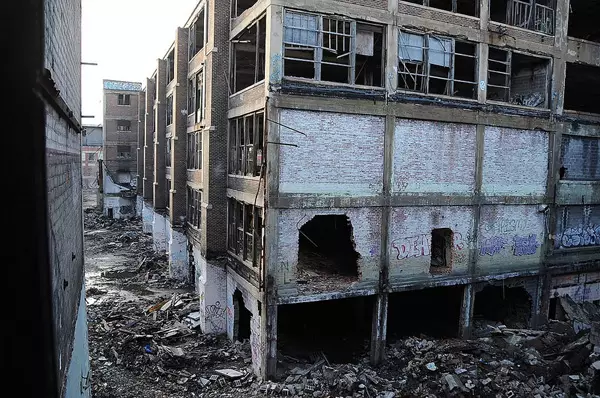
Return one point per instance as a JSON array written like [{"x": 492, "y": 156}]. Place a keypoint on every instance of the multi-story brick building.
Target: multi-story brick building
[
  {"x": 91, "y": 152},
  {"x": 348, "y": 170},
  {"x": 120, "y": 129}
]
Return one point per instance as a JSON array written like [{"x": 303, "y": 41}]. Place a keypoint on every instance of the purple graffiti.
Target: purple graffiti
[
  {"x": 525, "y": 245},
  {"x": 493, "y": 245},
  {"x": 579, "y": 236},
  {"x": 420, "y": 245}
]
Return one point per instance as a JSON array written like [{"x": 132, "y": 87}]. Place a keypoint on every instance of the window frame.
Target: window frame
[
  {"x": 124, "y": 99},
  {"x": 244, "y": 222},
  {"x": 123, "y": 125},
  {"x": 244, "y": 151},
  {"x": 193, "y": 32},
  {"x": 169, "y": 110},
  {"x": 194, "y": 150},
  {"x": 194, "y": 207}
]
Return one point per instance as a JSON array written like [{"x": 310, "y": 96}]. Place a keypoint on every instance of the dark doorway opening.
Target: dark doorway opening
[
  {"x": 242, "y": 317},
  {"x": 583, "y": 17},
  {"x": 339, "y": 329},
  {"x": 509, "y": 305},
  {"x": 432, "y": 312}
]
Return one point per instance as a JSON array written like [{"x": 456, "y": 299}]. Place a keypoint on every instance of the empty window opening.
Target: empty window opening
[
  {"x": 582, "y": 88},
  {"x": 194, "y": 150},
  {"x": 241, "y": 318},
  {"x": 194, "y": 207},
  {"x": 244, "y": 238},
  {"x": 196, "y": 97},
  {"x": 246, "y": 135},
  {"x": 123, "y": 151},
  {"x": 249, "y": 56},
  {"x": 580, "y": 159},
  {"x": 339, "y": 329},
  {"x": 332, "y": 49},
  {"x": 437, "y": 65},
  {"x": 583, "y": 17},
  {"x": 442, "y": 306},
  {"x": 197, "y": 35},
  {"x": 169, "y": 110},
  {"x": 239, "y": 6},
  {"x": 327, "y": 248},
  {"x": 124, "y": 99},
  {"x": 467, "y": 7},
  {"x": 169, "y": 151},
  {"x": 517, "y": 78},
  {"x": 171, "y": 66},
  {"x": 123, "y": 125},
  {"x": 510, "y": 306},
  {"x": 537, "y": 15},
  {"x": 441, "y": 250}
]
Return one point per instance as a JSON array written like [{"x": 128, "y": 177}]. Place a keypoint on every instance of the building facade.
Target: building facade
[
  {"x": 331, "y": 171},
  {"x": 91, "y": 153},
  {"x": 120, "y": 129}
]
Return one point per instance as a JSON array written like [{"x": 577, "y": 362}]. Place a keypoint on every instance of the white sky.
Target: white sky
[{"x": 125, "y": 38}]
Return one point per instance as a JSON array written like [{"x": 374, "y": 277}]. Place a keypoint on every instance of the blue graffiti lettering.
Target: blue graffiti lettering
[
  {"x": 492, "y": 246},
  {"x": 525, "y": 245},
  {"x": 579, "y": 236}
]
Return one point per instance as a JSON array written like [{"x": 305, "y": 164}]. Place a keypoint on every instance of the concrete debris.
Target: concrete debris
[{"x": 229, "y": 373}]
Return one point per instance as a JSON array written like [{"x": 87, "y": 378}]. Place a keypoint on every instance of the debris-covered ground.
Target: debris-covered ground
[{"x": 145, "y": 342}]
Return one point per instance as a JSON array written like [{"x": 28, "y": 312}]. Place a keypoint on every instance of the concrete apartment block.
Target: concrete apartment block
[
  {"x": 120, "y": 133},
  {"x": 420, "y": 163}
]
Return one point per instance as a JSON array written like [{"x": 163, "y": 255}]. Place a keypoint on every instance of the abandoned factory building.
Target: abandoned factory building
[{"x": 335, "y": 174}]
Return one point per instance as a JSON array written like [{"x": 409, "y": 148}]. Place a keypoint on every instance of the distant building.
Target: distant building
[
  {"x": 91, "y": 152},
  {"x": 120, "y": 137}
]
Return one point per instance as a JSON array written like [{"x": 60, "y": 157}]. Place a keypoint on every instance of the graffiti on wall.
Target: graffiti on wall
[
  {"x": 578, "y": 236},
  {"x": 521, "y": 245},
  {"x": 420, "y": 245},
  {"x": 215, "y": 316},
  {"x": 492, "y": 246},
  {"x": 525, "y": 245},
  {"x": 506, "y": 226}
]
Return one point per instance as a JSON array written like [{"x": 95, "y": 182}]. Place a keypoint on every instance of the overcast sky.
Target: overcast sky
[{"x": 125, "y": 38}]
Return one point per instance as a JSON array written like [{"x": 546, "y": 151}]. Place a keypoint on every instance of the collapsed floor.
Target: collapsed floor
[{"x": 144, "y": 342}]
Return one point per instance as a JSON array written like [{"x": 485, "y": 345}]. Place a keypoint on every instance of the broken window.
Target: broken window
[
  {"x": 332, "y": 49},
  {"x": 124, "y": 99},
  {"x": 169, "y": 150},
  {"x": 194, "y": 208},
  {"x": 326, "y": 247},
  {"x": 246, "y": 144},
  {"x": 580, "y": 158},
  {"x": 582, "y": 88},
  {"x": 509, "y": 305},
  {"x": 91, "y": 156},
  {"x": 467, "y": 7},
  {"x": 199, "y": 97},
  {"x": 241, "y": 318},
  {"x": 123, "y": 125},
  {"x": 245, "y": 231},
  {"x": 194, "y": 154},
  {"x": 517, "y": 78},
  {"x": 196, "y": 35},
  {"x": 239, "y": 6},
  {"x": 537, "y": 15},
  {"x": 583, "y": 16},
  {"x": 441, "y": 250},
  {"x": 171, "y": 66},
  {"x": 169, "y": 109},
  {"x": 123, "y": 152},
  {"x": 437, "y": 65},
  {"x": 249, "y": 56}
]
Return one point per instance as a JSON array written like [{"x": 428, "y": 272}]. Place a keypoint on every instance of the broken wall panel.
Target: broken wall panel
[
  {"x": 410, "y": 235},
  {"x": 577, "y": 227},
  {"x": 510, "y": 237},
  {"x": 580, "y": 158},
  {"x": 515, "y": 162},
  {"x": 352, "y": 145},
  {"x": 580, "y": 287},
  {"x": 434, "y": 157},
  {"x": 366, "y": 235}
]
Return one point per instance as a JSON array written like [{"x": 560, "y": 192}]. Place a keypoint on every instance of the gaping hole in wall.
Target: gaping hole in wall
[
  {"x": 517, "y": 78},
  {"x": 433, "y": 312},
  {"x": 583, "y": 20},
  {"x": 241, "y": 318},
  {"x": 437, "y": 65},
  {"x": 249, "y": 56},
  {"x": 326, "y": 248},
  {"x": 340, "y": 329},
  {"x": 239, "y": 6},
  {"x": 441, "y": 250},
  {"x": 582, "y": 88},
  {"x": 537, "y": 15},
  {"x": 369, "y": 55},
  {"x": 510, "y": 306}
]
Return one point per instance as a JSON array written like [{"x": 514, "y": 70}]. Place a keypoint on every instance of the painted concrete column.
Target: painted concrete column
[
  {"x": 148, "y": 177},
  {"x": 212, "y": 289},
  {"x": 147, "y": 218},
  {"x": 379, "y": 329},
  {"x": 179, "y": 268},
  {"x": 466, "y": 312},
  {"x": 159, "y": 232}
]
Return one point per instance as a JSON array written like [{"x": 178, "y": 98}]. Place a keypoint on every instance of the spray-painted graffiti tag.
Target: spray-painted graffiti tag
[
  {"x": 420, "y": 245},
  {"x": 579, "y": 236},
  {"x": 493, "y": 245},
  {"x": 525, "y": 245},
  {"x": 215, "y": 316}
]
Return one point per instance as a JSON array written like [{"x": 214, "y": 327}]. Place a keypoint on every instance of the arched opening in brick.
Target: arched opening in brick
[
  {"x": 339, "y": 329},
  {"x": 326, "y": 247},
  {"x": 241, "y": 318},
  {"x": 510, "y": 306}
]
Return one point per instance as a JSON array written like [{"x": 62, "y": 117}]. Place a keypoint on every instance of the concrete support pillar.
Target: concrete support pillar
[
  {"x": 139, "y": 205},
  {"x": 147, "y": 217},
  {"x": 379, "y": 329},
  {"x": 541, "y": 302},
  {"x": 160, "y": 132},
  {"x": 159, "y": 232},
  {"x": 466, "y": 312},
  {"x": 179, "y": 259},
  {"x": 391, "y": 64},
  {"x": 212, "y": 288},
  {"x": 273, "y": 46},
  {"x": 149, "y": 120}
]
